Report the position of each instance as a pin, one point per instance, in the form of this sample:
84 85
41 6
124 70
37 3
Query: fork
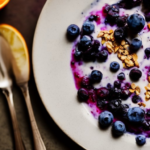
6 87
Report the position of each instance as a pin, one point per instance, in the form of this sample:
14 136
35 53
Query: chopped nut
123 42
129 63
124 65
121 47
116 49
111 31
126 47
100 34
119 55
142 104
135 57
136 63
133 86
149 79
132 91
129 57
123 57
138 89
103 41
125 52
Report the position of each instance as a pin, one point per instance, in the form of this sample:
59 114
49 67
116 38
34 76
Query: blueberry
96 76
116 93
105 119
146 3
124 110
135 74
125 93
102 103
136 99
114 66
115 105
89 54
147 52
135 45
86 82
136 22
102 55
140 140
88 27
119 33
121 76
113 13
85 42
117 84
73 31
83 94
107 8
103 93
118 128
146 125
121 21
148 113
136 115
96 45
77 54
93 18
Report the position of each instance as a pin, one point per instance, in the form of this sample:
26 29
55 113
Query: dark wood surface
23 15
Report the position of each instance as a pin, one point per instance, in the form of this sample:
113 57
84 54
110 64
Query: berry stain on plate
111 65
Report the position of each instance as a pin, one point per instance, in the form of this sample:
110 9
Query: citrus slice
19 52
3 3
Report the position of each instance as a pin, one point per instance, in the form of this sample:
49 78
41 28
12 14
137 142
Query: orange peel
3 3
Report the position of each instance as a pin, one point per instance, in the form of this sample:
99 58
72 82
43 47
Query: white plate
55 83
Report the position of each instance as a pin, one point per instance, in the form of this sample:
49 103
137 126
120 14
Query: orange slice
19 52
3 3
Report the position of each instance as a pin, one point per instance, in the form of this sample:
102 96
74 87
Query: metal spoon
22 74
6 86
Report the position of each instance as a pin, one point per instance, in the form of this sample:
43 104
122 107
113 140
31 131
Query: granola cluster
147 94
122 49
135 89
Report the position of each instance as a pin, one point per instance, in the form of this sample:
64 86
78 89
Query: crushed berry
117 84
121 21
115 105
103 93
136 99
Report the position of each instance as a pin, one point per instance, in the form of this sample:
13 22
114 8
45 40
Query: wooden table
23 15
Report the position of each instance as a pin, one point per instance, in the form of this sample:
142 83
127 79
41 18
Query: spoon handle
38 142
19 145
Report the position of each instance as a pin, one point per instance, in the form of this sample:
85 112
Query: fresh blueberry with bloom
119 33
88 27
115 105
147 52
103 93
135 74
121 76
105 119
136 99
135 45
136 115
117 84
102 55
83 94
122 20
118 128
114 66
140 140
85 42
96 76
136 22
73 31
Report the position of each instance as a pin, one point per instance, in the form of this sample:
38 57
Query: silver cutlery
6 86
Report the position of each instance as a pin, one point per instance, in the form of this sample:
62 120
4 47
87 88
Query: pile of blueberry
110 100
